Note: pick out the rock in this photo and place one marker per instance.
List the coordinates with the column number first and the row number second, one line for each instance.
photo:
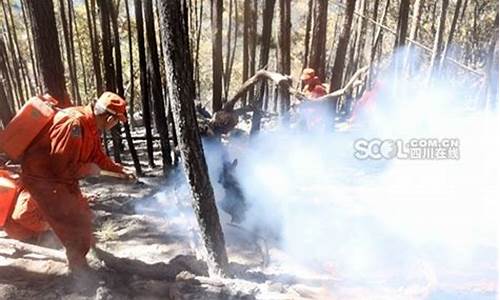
column 103, row 293
column 185, row 275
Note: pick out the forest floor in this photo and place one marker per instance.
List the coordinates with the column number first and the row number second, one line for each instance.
column 147, row 225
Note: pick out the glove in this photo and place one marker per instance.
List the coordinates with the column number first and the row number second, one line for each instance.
column 130, row 174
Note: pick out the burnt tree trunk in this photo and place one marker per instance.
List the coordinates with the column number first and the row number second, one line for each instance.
column 246, row 42
column 109, row 69
column 18, row 82
column 131, row 66
column 340, row 56
column 267, row 21
column 6, row 112
column 217, row 65
column 451, row 33
column 47, row 48
column 400, row 42
column 6, row 100
column 284, row 60
column 80, row 51
column 155, row 77
column 318, row 44
column 307, row 40
column 119, row 86
column 30, row 47
column 146, row 110
column 360, row 38
column 231, row 41
column 94, row 44
column 438, row 41
column 377, row 38
column 229, row 31
column 404, row 9
column 20, row 56
column 416, row 15
column 198, row 42
column 5, row 76
column 182, row 92
column 73, row 53
column 67, row 46
column 253, row 45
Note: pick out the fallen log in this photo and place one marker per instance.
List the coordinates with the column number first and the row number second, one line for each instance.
column 25, row 248
column 285, row 82
column 159, row 271
column 279, row 79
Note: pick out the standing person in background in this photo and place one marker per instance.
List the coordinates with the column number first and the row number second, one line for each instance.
column 313, row 87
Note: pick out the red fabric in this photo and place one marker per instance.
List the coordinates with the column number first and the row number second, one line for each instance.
column 51, row 168
column 314, row 88
column 367, row 103
column 26, row 221
column 314, row 115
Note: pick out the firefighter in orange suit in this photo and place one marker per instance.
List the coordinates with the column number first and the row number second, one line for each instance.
column 313, row 87
column 66, row 150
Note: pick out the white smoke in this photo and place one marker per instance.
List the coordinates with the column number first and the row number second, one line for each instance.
column 391, row 229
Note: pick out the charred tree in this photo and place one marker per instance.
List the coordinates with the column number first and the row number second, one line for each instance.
column 377, row 38
column 119, row 87
column 28, row 87
column 47, row 48
column 94, row 47
column 247, row 13
column 253, row 45
column 231, row 42
column 73, row 53
column 5, row 75
column 109, row 69
column 360, row 38
column 400, row 42
column 438, row 40
column 69, row 54
column 340, row 56
column 284, row 59
column 267, row 21
column 318, row 44
column 30, row 46
column 416, row 15
column 451, row 33
column 6, row 112
column 11, row 46
column 404, row 9
column 131, row 66
column 6, row 100
column 178, row 64
column 217, row 65
column 155, row 78
column 146, row 110
column 80, row 51
column 307, row 40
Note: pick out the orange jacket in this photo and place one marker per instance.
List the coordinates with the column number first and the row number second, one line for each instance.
column 65, row 147
column 314, row 88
